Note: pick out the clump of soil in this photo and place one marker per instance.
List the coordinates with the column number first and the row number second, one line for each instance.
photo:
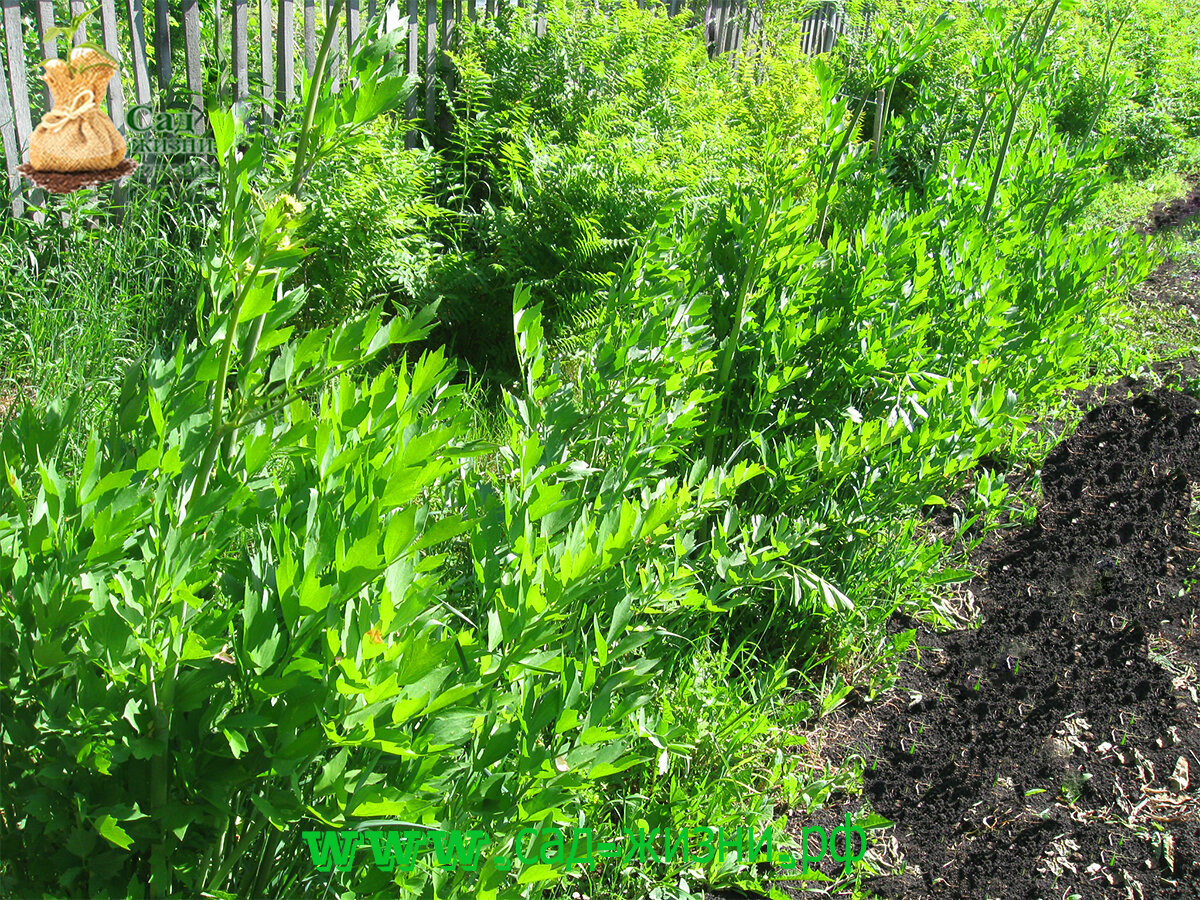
column 1053, row 750
column 69, row 182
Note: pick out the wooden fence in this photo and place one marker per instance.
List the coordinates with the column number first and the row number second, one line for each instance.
column 258, row 44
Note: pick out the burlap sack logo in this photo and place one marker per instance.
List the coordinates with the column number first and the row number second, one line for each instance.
column 76, row 144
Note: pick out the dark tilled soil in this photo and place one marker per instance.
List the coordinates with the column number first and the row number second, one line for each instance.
column 1039, row 755
column 1054, row 750
column 1172, row 214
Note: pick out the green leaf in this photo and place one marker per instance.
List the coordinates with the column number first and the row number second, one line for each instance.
column 951, row 576
column 874, row 821
column 101, row 51
column 259, row 299
column 451, row 728
column 237, row 743
column 156, row 413
column 539, row 872
column 114, row 833
column 500, row 744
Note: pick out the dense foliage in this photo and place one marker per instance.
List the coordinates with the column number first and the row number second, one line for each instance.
column 293, row 582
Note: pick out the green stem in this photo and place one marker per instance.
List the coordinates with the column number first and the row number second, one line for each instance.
column 835, row 164
column 256, row 329
column 218, row 424
column 1100, row 107
column 314, row 90
column 160, row 869
column 1012, row 118
column 298, row 170
column 244, row 844
column 984, row 116
column 887, row 100
column 731, row 341
column 937, row 155
column 292, row 397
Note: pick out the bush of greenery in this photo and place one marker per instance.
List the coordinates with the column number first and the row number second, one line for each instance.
column 369, row 225
column 280, row 595
column 236, row 621
column 1120, row 68
column 563, row 148
column 1144, row 138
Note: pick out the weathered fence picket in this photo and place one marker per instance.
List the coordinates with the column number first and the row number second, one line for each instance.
column 8, row 137
column 137, row 50
column 128, row 31
column 162, row 43
column 240, row 31
column 191, row 51
column 265, row 69
column 285, row 75
column 310, row 38
column 45, row 21
column 15, row 46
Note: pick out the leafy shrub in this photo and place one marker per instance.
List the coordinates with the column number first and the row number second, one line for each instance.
column 232, row 623
column 780, row 93
column 566, row 145
column 368, row 226
column 862, row 368
column 1080, row 104
column 278, row 596
column 1144, row 136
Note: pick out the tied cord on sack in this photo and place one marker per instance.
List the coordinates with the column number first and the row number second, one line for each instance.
column 56, row 120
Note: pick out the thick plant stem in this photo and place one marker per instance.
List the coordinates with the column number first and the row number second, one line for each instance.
column 245, row 843
column 987, row 111
column 1100, row 107
column 164, row 695
column 314, row 90
column 218, row 423
column 247, row 359
column 1012, row 119
column 160, row 767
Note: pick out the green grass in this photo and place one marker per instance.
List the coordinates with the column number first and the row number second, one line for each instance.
column 80, row 303
column 1123, row 201
column 1163, row 331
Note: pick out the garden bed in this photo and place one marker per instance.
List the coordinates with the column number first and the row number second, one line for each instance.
column 1052, row 749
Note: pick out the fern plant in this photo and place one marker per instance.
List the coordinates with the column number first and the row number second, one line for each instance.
column 370, row 224
column 472, row 139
